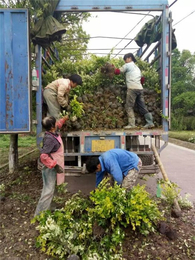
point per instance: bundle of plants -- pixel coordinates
(94, 227)
(108, 70)
(105, 109)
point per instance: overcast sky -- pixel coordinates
(128, 25)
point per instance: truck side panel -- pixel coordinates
(14, 71)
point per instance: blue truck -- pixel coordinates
(79, 145)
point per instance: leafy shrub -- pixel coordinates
(181, 122)
(192, 139)
(170, 191)
(177, 123)
(184, 202)
(76, 107)
(90, 71)
(71, 229)
(117, 205)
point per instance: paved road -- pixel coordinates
(179, 164)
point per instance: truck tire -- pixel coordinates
(147, 159)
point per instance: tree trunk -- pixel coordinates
(13, 153)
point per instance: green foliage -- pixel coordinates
(2, 190)
(75, 40)
(59, 197)
(182, 72)
(71, 229)
(192, 139)
(183, 89)
(14, 4)
(76, 107)
(134, 207)
(150, 74)
(50, 76)
(141, 211)
(23, 140)
(177, 123)
(65, 231)
(184, 202)
(184, 102)
(182, 135)
(180, 122)
(90, 71)
(77, 110)
(170, 191)
(109, 204)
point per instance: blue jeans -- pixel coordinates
(49, 181)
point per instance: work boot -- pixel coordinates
(131, 122)
(129, 127)
(149, 120)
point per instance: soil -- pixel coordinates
(173, 240)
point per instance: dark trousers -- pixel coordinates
(135, 96)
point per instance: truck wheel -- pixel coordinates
(147, 159)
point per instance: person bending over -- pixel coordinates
(122, 165)
(56, 94)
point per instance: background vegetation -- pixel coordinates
(183, 90)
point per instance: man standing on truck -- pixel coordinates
(122, 165)
(134, 92)
(56, 94)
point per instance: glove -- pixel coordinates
(142, 80)
(59, 169)
(117, 72)
(61, 121)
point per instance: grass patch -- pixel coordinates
(188, 136)
(26, 143)
(23, 140)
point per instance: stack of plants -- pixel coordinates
(94, 227)
(100, 102)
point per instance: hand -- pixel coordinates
(59, 169)
(66, 117)
(117, 72)
(142, 80)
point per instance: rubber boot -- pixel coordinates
(149, 120)
(131, 121)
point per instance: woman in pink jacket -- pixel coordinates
(56, 94)
(52, 158)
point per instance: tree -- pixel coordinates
(183, 89)
(183, 72)
(74, 42)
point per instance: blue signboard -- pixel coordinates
(15, 94)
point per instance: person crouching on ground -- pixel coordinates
(134, 92)
(52, 158)
(122, 165)
(56, 94)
